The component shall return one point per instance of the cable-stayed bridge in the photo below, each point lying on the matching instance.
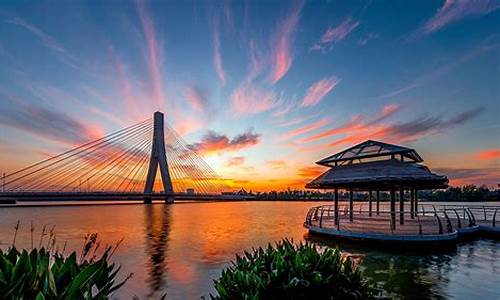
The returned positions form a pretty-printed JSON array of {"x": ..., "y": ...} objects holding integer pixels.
[{"x": 146, "y": 161}]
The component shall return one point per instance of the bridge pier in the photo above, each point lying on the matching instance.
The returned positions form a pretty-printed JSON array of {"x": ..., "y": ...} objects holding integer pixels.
[{"x": 158, "y": 158}]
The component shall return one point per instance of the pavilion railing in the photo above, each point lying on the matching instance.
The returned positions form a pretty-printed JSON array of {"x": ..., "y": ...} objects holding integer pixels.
[
  {"x": 485, "y": 215},
  {"x": 324, "y": 217}
]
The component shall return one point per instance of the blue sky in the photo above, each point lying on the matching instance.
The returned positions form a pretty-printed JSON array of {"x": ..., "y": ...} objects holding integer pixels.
[{"x": 261, "y": 89}]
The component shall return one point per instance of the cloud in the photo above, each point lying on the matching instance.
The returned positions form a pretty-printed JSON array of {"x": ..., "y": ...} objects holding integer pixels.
[
  {"x": 444, "y": 69},
  {"x": 334, "y": 35},
  {"x": 478, "y": 176},
  {"x": 249, "y": 98},
  {"x": 310, "y": 171},
  {"x": 357, "y": 123},
  {"x": 305, "y": 129},
  {"x": 214, "y": 143},
  {"x": 405, "y": 132},
  {"x": 456, "y": 10},
  {"x": 217, "y": 59},
  {"x": 282, "y": 40},
  {"x": 276, "y": 164},
  {"x": 490, "y": 154},
  {"x": 48, "y": 41},
  {"x": 196, "y": 97},
  {"x": 46, "y": 123},
  {"x": 235, "y": 161},
  {"x": 154, "y": 57},
  {"x": 319, "y": 90},
  {"x": 371, "y": 36}
]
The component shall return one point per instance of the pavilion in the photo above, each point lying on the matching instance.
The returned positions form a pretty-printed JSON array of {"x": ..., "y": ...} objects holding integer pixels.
[{"x": 374, "y": 166}]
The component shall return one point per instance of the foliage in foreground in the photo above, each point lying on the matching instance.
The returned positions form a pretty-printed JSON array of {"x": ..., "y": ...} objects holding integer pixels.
[
  {"x": 45, "y": 273},
  {"x": 287, "y": 271}
]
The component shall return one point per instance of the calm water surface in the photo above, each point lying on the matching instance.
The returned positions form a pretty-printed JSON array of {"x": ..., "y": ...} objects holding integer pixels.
[{"x": 179, "y": 249}]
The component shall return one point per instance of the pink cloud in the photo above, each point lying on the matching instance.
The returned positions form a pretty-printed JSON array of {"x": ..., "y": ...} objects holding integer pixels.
[
  {"x": 214, "y": 143},
  {"x": 281, "y": 43},
  {"x": 334, "y": 35},
  {"x": 196, "y": 98},
  {"x": 153, "y": 55},
  {"x": 319, "y": 90},
  {"x": 455, "y": 10},
  {"x": 251, "y": 99},
  {"x": 219, "y": 68}
]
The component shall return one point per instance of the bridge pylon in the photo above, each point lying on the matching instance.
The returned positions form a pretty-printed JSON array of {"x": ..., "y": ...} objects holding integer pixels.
[{"x": 158, "y": 158}]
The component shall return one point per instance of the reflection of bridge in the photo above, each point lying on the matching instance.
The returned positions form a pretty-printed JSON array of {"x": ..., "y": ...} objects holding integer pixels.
[{"x": 122, "y": 165}]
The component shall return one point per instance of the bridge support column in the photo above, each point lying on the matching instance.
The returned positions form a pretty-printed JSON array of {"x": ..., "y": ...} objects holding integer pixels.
[{"x": 158, "y": 158}]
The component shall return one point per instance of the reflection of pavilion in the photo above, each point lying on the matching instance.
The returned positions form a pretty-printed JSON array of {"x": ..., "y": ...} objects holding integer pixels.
[{"x": 157, "y": 232}]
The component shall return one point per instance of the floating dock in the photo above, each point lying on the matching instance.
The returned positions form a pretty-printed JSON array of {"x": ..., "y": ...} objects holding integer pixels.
[{"x": 434, "y": 225}]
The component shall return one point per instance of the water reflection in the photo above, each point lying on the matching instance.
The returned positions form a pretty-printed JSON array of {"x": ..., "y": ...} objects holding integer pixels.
[
  {"x": 435, "y": 273},
  {"x": 157, "y": 220}
]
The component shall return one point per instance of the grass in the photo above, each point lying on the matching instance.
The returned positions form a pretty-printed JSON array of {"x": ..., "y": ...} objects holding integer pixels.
[{"x": 45, "y": 272}]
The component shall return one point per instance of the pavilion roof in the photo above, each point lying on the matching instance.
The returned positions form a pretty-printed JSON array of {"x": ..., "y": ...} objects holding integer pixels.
[
  {"x": 376, "y": 165},
  {"x": 369, "y": 151},
  {"x": 379, "y": 175}
]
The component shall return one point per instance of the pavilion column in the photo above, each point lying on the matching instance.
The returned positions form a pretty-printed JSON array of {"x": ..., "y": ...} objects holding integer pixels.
[
  {"x": 351, "y": 206},
  {"x": 336, "y": 206},
  {"x": 370, "y": 203},
  {"x": 416, "y": 202},
  {"x": 412, "y": 203},
  {"x": 401, "y": 206},
  {"x": 393, "y": 209},
  {"x": 378, "y": 202}
]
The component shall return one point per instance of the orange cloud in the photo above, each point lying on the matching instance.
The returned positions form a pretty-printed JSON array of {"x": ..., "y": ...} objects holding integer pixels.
[
  {"x": 310, "y": 171},
  {"x": 488, "y": 154},
  {"x": 214, "y": 143},
  {"x": 319, "y": 90},
  {"x": 276, "y": 164},
  {"x": 305, "y": 129}
]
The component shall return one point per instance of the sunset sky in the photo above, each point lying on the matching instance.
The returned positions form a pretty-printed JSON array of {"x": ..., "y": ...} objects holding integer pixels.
[{"x": 260, "y": 89}]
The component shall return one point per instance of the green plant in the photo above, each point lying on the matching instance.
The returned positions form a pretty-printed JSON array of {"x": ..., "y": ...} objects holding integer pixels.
[
  {"x": 287, "y": 271},
  {"x": 45, "y": 273}
]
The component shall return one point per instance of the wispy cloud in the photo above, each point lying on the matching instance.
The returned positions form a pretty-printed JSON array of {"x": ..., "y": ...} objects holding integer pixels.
[
  {"x": 214, "y": 143},
  {"x": 405, "y": 132},
  {"x": 276, "y": 164},
  {"x": 217, "y": 56},
  {"x": 319, "y": 90},
  {"x": 282, "y": 42},
  {"x": 369, "y": 37},
  {"x": 463, "y": 176},
  {"x": 47, "y": 123},
  {"x": 196, "y": 97},
  {"x": 310, "y": 171},
  {"x": 334, "y": 35},
  {"x": 154, "y": 57},
  {"x": 456, "y": 10},
  {"x": 305, "y": 129},
  {"x": 48, "y": 41},
  {"x": 488, "y": 44},
  {"x": 249, "y": 98},
  {"x": 235, "y": 161}
]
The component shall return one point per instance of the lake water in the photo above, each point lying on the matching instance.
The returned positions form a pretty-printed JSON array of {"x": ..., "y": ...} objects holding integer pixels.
[{"x": 179, "y": 249}]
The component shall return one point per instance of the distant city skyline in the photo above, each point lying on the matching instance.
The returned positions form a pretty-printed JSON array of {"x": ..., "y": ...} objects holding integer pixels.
[{"x": 261, "y": 90}]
